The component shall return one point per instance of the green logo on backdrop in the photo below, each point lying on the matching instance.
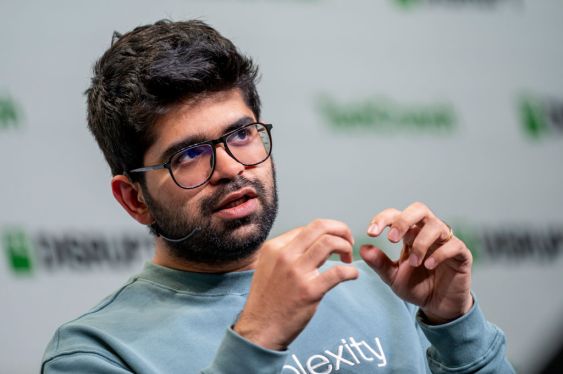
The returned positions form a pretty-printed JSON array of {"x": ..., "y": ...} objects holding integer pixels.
[
  {"x": 511, "y": 243},
  {"x": 18, "y": 251},
  {"x": 406, "y": 3},
  {"x": 71, "y": 250},
  {"x": 541, "y": 118},
  {"x": 9, "y": 113},
  {"x": 387, "y": 116},
  {"x": 471, "y": 239}
]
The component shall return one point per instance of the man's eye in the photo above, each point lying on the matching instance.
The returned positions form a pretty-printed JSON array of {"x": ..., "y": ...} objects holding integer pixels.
[
  {"x": 192, "y": 154},
  {"x": 242, "y": 136}
]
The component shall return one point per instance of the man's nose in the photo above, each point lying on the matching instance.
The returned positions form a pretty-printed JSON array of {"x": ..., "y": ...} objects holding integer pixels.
[{"x": 226, "y": 167}]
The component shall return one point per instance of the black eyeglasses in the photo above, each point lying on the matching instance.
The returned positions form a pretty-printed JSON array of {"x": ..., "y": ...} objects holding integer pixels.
[{"x": 193, "y": 166}]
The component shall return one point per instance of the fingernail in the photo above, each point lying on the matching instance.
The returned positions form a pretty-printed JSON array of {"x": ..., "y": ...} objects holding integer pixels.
[
  {"x": 413, "y": 260},
  {"x": 373, "y": 229},
  {"x": 430, "y": 263},
  {"x": 394, "y": 235}
]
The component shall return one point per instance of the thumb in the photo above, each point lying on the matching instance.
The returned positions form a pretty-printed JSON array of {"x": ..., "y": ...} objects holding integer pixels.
[{"x": 379, "y": 261}]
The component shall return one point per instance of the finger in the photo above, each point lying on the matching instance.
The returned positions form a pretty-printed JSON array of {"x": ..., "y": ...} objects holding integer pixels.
[
  {"x": 318, "y": 227},
  {"x": 273, "y": 246},
  {"x": 411, "y": 234},
  {"x": 405, "y": 253},
  {"x": 381, "y": 220},
  {"x": 318, "y": 253},
  {"x": 426, "y": 237},
  {"x": 334, "y": 276},
  {"x": 285, "y": 238},
  {"x": 454, "y": 249},
  {"x": 380, "y": 262},
  {"x": 413, "y": 214}
]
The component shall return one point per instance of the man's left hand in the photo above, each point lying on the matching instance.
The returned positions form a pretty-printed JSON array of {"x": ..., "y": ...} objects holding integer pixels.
[{"x": 434, "y": 269}]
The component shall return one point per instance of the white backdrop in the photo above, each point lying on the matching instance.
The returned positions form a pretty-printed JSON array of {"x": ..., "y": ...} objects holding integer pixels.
[{"x": 375, "y": 104}]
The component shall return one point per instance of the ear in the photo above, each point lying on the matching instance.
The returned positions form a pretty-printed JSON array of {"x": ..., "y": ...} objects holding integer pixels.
[{"x": 131, "y": 198}]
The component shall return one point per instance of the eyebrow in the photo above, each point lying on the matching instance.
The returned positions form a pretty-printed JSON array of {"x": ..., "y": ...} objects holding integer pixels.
[{"x": 196, "y": 139}]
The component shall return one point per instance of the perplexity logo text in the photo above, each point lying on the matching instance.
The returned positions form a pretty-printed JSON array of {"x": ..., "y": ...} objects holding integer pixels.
[{"x": 349, "y": 353}]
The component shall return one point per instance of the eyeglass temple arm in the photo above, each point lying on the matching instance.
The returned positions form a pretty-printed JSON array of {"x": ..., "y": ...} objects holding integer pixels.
[{"x": 148, "y": 168}]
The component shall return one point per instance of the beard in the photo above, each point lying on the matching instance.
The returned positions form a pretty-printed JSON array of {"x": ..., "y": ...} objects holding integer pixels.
[{"x": 215, "y": 244}]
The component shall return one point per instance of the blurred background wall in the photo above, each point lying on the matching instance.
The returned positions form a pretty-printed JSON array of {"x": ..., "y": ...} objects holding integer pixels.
[{"x": 375, "y": 104}]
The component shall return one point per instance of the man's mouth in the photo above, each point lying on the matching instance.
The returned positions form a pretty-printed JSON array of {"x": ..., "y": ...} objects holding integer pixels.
[
  {"x": 238, "y": 204},
  {"x": 232, "y": 204}
]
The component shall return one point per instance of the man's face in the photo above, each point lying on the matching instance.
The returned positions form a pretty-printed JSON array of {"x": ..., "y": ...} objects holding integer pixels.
[{"x": 229, "y": 228}]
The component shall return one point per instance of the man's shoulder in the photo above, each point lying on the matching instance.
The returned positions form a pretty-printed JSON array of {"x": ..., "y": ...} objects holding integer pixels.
[{"x": 88, "y": 332}]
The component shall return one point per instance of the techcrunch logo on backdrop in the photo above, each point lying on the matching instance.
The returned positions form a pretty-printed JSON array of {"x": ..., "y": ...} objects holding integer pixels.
[
  {"x": 512, "y": 244},
  {"x": 29, "y": 253},
  {"x": 541, "y": 117},
  {"x": 10, "y": 115},
  {"x": 383, "y": 115},
  {"x": 408, "y": 4}
]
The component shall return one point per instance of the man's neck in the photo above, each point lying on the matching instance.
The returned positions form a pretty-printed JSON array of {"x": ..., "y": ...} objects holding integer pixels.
[{"x": 163, "y": 257}]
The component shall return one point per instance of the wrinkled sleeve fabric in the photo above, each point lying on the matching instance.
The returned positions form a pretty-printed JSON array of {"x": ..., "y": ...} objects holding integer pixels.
[
  {"x": 82, "y": 362},
  {"x": 237, "y": 355},
  {"x": 468, "y": 344}
]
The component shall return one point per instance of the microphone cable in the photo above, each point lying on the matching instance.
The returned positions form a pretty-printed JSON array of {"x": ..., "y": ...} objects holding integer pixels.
[{"x": 159, "y": 232}]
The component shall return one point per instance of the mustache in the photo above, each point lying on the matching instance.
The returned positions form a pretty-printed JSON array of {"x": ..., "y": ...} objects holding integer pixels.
[{"x": 209, "y": 204}]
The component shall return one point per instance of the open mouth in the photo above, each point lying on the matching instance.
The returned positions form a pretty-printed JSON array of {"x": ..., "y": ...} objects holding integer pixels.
[
  {"x": 236, "y": 202},
  {"x": 236, "y": 199}
]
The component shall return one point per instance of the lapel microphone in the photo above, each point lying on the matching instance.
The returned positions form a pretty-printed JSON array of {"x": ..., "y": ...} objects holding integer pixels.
[{"x": 159, "y": 232}]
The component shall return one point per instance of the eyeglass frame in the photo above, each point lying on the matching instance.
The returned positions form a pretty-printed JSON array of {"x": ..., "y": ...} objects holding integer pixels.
[{"x": 222, "y": 139}]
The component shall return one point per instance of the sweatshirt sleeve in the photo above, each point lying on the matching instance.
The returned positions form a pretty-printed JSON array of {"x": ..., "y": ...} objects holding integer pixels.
[
  {"x": 235, "y": 355},
  {"x": 468, "y": 344},
  {"x": 238, "y": 355},
  {"x": 82, "y": 362}
]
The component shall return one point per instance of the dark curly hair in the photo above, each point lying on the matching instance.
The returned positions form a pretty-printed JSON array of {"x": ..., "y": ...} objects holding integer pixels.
[{"x": 147, "y": 71}]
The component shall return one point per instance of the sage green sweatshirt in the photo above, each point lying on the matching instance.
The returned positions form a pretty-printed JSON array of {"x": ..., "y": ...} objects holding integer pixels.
[{"x": 169, "y": 321}]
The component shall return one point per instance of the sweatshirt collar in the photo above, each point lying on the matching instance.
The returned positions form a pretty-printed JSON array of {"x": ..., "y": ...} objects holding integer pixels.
[{"x": 199, "y": 283}]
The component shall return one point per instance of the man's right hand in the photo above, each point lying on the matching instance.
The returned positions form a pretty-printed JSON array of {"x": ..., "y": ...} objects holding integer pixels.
[{"x": 288, "y": 286}]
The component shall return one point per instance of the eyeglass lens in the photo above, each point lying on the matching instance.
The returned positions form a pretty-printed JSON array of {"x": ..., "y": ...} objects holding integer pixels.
[{"x": 193, "y": 166}]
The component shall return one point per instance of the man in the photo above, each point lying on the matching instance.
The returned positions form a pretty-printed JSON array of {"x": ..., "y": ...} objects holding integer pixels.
[{"x": 176, "y": 113}]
